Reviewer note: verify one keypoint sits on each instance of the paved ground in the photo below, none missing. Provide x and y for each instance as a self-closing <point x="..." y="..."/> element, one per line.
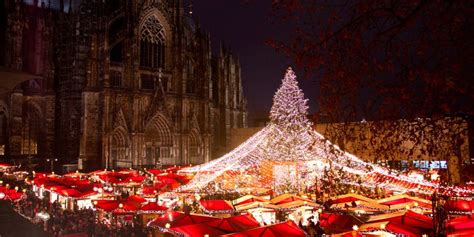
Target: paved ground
<point x="14" y="225"/>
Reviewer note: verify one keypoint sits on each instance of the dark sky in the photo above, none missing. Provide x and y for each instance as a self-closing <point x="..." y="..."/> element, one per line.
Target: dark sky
<point x="244" y="27"/>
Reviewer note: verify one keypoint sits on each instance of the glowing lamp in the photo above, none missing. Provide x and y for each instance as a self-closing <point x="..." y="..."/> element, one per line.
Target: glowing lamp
<point x="206" y="235"/>
<point x="168" y="225"/>
<point x="355" y="227"/>
<point x="121" y="205"/>
<point x="382" y="226"/>
<point x="24" y="190"/>
<point x="94" y="202"/>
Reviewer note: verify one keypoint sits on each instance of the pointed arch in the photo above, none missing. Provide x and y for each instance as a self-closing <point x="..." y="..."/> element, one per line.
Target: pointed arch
<point x="120" y="120"/>
<point x="32" y="129"/>
<point x="120" y="148"/>
<point x="155" y="39"/>
<point x="195" y="147"/>
<point x="159" y="141"/>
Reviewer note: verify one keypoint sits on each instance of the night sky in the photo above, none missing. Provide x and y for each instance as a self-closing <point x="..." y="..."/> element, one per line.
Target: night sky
<point x="244" y="27"/>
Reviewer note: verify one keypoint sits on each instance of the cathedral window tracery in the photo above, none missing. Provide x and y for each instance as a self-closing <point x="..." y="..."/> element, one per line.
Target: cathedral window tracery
<point x="152" y="44"/>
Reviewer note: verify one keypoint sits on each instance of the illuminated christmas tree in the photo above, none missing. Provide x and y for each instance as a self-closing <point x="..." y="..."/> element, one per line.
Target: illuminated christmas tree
<point x="290" y="109"/>
<point x="288" y="155"/>
<point x="290" y="139"/>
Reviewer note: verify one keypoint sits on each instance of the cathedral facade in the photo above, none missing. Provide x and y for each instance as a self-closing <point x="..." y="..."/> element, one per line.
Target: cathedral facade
<point x="116" y="83"/>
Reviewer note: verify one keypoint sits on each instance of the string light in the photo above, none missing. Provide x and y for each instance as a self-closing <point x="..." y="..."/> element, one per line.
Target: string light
<point x="288" y="153"/>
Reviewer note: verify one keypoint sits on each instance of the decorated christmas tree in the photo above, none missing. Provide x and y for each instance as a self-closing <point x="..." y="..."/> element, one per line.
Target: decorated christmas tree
<point x="288" y="115"/>
<point x="288" y="155"/>
<point x="290" y="109"/>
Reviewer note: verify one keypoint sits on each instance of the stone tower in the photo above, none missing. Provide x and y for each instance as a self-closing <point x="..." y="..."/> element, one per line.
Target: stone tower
<point x="123" y="83"/>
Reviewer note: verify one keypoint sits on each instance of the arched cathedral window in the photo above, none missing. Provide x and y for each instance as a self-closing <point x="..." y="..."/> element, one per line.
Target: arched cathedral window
<point x="152" y="44"/>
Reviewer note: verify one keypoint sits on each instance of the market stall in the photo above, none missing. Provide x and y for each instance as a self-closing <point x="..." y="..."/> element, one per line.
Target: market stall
<point x="217" y="208"/>
<point x="264" y="213"/>
<point x="288" y="228"/>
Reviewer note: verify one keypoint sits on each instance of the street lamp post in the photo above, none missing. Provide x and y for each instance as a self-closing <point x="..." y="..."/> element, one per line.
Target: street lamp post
<point x="52" y="162"/>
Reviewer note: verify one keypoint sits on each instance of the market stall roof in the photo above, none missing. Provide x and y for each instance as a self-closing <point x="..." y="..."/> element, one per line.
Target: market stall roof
<point x="392" y="227"/>
<point x="70" y="192"/>
<point x="255" y="205"/>
<point x="248" y="199"/>
<point x="65" y="186"/>
<point x="461" y="223"/>
<point x="297" y="204"/>
<point x="359" y="205"/>
<point x="5" y="165"/>
<point x="216" y="206"/>
<point x="460" y="205"/>
<point x="136" y="198"/>
<point x="10" y="194"/>
<point x="155" y="188"/>
<point x="154" y="171"/>
<point x="288" y="228"/>
<point x="125" y="177"/>
<point x="112" y="205"/>
<point x="462" y="233"/>
<point x="181" y="179"/>
<point x="153" y="207"/>
<point x="284" y="198"/>
<point x="403" y="199"/>
<point x="200" y="229"/>
<point x="351" y="197"/>
<point x="129" y="204"/>
<point x="176" y="219"/>
<point x="235" y="223"/>
<point x="76" y="174"/>
<point x="349" y="234"/>
<point x="337" y="223"/>
<point x="406" y="218"/>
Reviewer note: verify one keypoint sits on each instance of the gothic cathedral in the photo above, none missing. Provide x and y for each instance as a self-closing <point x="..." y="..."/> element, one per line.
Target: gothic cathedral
<point x="114" y="84"/>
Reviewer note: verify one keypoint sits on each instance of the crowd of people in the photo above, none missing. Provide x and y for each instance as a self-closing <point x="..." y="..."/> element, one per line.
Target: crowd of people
<point x="57" y="221"/>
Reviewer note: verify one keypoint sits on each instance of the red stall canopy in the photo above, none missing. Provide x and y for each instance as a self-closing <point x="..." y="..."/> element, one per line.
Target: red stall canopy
<point x="288" y="228"/>
<point x="176" y="219"/>
<point x="338" y="223"/>
<point x="216" y="206"/>
<point x="235" y="223"/>
<point x="284" y="198"/>
<point x="199" y="229"/>
<point x="460" y="205"/>
<point x="152" y="207"/>
<point x="248" y="199"/>
<point x="461" y="223"/>
<point x="406" y="218"/>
